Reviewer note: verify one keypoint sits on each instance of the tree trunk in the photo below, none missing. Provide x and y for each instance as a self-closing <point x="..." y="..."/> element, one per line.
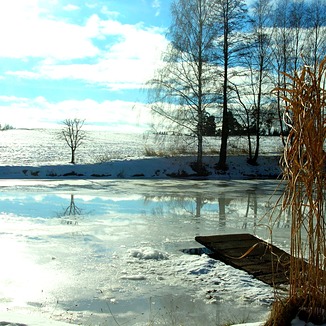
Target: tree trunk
<point x="221" y="165"/>
<point x="200" y="152"/>
<point x="261" y="68"/>
<point x="279" y="114"/>
<point x="72" y="156"/>
<point x="249" y="140"/>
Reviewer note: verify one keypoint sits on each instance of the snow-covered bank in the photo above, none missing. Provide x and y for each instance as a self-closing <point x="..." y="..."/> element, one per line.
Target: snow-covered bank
<point x="149" y="168"/>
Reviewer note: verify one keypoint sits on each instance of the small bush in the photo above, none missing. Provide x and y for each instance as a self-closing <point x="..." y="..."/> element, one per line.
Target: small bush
<point x="51" y="174"/>
<point x="121" y="174"/>
<point x="151" y="152"/>
<point x="72" y="173"/>
<point x="103" y="158"/>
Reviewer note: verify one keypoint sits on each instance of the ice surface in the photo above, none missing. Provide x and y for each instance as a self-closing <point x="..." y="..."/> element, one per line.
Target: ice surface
<point x="92" y="252"/>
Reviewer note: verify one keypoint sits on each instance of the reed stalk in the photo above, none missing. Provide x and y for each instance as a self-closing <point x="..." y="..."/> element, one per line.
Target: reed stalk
<point x="303" y="165"/>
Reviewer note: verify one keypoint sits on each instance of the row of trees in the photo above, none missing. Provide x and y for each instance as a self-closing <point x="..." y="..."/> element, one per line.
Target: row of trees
<point x="224" y="57"/>
<point x="5" y="127"/>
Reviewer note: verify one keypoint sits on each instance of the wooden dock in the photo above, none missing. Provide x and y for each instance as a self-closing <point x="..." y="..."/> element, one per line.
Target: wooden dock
<point x="261" y="259"/>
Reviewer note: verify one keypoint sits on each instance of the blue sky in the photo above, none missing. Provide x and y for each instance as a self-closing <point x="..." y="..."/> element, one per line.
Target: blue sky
<point x="87" y="59"/>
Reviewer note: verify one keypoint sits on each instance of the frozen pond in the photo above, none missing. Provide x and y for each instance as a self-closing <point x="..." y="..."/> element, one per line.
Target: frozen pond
<point x="110" y="252"/>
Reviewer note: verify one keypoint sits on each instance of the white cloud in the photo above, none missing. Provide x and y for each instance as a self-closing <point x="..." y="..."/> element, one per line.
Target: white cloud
<point x="28" y="30"/>
<point x="70" y="7"/>
<point x="156" y="4"/>
<point x="25" y="31"/>
<point x="127" y="63"/>
<point x="126" y="55"/>
<point x="109" y="13"/>
<point x="39" y="113"/>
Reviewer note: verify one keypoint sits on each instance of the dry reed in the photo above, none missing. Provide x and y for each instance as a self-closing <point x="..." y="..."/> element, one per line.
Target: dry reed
<point x="303" y="165"/>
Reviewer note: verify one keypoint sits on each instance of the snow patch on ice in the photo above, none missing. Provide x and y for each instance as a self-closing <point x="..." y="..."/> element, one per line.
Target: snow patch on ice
<point x="207" y="265"/>
<point x="148" y="254"/>
<point x="12" y="318"/>
<point x="219" y="283"/>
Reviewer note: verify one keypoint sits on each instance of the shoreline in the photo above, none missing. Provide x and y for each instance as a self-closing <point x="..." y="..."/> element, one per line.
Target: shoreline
<point x="175" y="167"/>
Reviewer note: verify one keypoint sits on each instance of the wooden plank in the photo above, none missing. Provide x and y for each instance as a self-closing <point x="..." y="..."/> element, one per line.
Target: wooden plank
<point x="244" y="251"/>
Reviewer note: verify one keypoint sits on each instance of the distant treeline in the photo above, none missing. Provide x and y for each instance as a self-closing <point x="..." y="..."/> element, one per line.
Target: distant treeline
<point x="5" y="127"/>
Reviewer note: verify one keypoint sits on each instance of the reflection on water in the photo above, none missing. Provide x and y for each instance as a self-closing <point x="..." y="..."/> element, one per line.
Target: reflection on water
<point x="72" y="213"/>
<point x="242" y="209"/>
<point x="198" y="209"/>
<point x="83" y="232"/>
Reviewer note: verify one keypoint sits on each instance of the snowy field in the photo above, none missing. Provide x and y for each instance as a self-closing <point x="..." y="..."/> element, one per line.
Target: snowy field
<point x="46" y="146"/>
<point x="42" y="154"/>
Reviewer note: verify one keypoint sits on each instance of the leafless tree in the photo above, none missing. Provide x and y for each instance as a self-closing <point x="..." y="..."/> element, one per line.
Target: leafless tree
<point x="315" y="41"/>
<point x="281" y="49"/>
<point x="254" y="93"/>
<point x="230" y="16"/>
<point x="73" y="135"/>
<point x="299" y="38"/>
<point x="185" y="88"/>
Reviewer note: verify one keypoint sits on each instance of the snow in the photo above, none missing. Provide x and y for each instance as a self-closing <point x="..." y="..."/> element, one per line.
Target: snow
<point x="120" y="257"/>
<point x="148" y="253"/>
<point x="148" y="168"/>
<point x="42" y="154"/>
<point x="27" y="319"/>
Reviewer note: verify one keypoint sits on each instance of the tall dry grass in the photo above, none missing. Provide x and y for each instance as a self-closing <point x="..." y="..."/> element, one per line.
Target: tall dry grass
<point x="303" y="166"/>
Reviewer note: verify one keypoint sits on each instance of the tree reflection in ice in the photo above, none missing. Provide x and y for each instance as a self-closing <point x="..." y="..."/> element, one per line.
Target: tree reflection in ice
<point x="72" y="213"/>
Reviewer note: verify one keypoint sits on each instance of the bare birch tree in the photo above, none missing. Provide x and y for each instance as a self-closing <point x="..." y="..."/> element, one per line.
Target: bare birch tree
<point x="256" y="93"/>
<point x="299" y="38"/>
<point x="281" y="49"/>
<point x="315" y="40"/>
<point x="230" y="16"/>
<point x="185" y="88"/>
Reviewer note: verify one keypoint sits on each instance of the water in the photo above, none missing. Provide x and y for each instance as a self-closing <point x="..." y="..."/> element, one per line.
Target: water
<point x="110" y="252"/>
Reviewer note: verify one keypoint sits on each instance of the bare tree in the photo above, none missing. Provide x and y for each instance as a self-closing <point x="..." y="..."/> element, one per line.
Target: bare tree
<point x="297" y="24"/>
<point x="281" y="49"/>
<point x="315" y="43"/>
<point x="185" y="88"/>
<point x="299" y="38"/>
<point x="230" y="15"/>
<point x="73" y="135"/>
<point x="254" y="93"/>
